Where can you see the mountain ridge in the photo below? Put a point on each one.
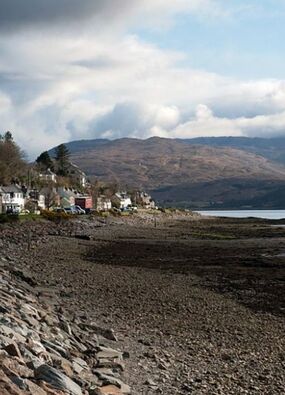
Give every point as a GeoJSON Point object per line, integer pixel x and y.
{"type": "Point", "coordinates": [184, 172]}
{"type": "Point", "coordinates": [272, 148]}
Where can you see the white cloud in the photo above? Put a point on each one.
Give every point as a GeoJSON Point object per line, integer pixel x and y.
{"type": "Point", "coordinates": [107, 83]}
{"type": "Point", "coordinates": [205, 123]}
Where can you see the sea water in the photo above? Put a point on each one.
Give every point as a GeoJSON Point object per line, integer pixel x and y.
{"type": "Point", "coordinates": [267, 214]}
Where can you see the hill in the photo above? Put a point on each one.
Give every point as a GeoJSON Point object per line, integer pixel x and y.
{"type": "Point", "coordinates": [270, 148]}
{"type": "Point", "coordinates": [182, 173]}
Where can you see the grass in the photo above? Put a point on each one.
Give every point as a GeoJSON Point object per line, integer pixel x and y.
{"type": "Point", "coordinates": [30, 217]}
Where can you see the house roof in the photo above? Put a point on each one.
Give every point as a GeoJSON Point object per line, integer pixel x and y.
{"type": "Point", "coordinates": [48, 172]}
{"type": "Point", "coordinates": [122, 195]}
{"type": "Point", "coordinates": [10, 189]}
{"type": "Point", "coordinates": [67, 193]}
{"type": "Point", "coordinates": [77, 169]}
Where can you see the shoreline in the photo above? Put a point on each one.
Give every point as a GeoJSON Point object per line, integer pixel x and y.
{"type": "Point", "coordinates": [173, 293]}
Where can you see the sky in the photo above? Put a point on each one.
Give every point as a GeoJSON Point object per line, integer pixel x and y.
{"type": "Point", "coordinates": [72, 70]}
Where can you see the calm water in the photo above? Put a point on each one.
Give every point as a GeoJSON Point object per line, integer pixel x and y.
{"type": "Point", "coordinates": [268, 214]}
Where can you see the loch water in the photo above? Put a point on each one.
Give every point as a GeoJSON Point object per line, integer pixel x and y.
{"type": "Point", "coordinates": [266, 214]}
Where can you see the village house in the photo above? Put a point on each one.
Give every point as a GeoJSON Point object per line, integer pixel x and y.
{"type": "Point", "coordinates": [51, 196]}
{"type": "Point", "coordinates": [103, 203]}
{"type": "Point", "coordinates": [37, 199]}
{"type": "Point", "coordinates": [78, 176]}
{"type": "Point", "coordinates": [48, 176]}
{"type": "Point", "coordinates": [145, 200]}
{"type": "Point", "coordinates": [12, 198]}
{"type": "Point", "coordinates": [67, 196]}
{"type": "Point", "coordinates": [121, 200]}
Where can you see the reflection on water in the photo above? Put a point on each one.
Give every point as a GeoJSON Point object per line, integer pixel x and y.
{"type": "Point", "coordinates": [267, 214]}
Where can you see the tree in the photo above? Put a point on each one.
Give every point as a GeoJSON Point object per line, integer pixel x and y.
{"type": "Point", "coordinates": [50, 193]}
{"type": "Point", "coordinates": [12, 159]}
{"type": "Point", "coordinates": [62, 156]}
{"type": "Point", "coordinates": [8, 137]}
{"type": "Point", "coordinates": [44, 161]}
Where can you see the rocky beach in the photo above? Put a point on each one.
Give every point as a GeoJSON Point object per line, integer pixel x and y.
{"type": "Point", "coordinates": [179, 304]}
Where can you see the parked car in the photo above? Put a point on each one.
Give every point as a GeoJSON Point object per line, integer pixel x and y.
{"type": "Point", "coordinates": [79, 210]}
{"type": "Point", "coordinates": [13, 210]}
{"type": "Point", "coordinates": [70, 210]}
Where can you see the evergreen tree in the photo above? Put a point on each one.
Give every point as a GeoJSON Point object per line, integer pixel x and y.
{"type": "Point", "coordinates": [44, 161]}
{"type": "Point", "coordinates": [8, 137]}
{"type": "Point", "coordinates": [12, 162]}
{"type": "Point", "coordinates": [62, 156]}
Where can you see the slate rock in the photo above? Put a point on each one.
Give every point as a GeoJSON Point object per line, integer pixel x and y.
{"type": "Point", "coordinates": [13, 349]}
{"type": "Point", "coordinates": [57, 379]}
{"type": "Point", "coordinates": [106, 390]}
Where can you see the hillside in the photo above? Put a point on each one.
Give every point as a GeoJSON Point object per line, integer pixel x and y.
{"type": "Point", "coordinates": [270, 148]}
{"type": "Point", "coordinates": [160, 162]}
{"type": "Point", "coordinates": [182, 173]}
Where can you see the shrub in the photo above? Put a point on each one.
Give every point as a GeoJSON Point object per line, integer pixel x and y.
{"type": "Point", "coordinates": [54, 216]}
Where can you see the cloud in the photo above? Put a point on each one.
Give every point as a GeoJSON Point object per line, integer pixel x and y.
{"type": "Point", "coordinates": [205, 123]}
{"type": "Point", "coordinates": [135, 120]}
{"type": "Point", "coordinates": [17, 14]}
{"type": "Point", "coordinates": [118, 87]}
{"type": "Point", "coordinates": [103, 81]}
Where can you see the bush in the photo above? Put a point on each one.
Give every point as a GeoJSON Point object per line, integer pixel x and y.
{"type": "Point", "coordinates": [54, 216]}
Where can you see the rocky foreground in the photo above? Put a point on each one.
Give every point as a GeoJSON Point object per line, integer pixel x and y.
{"type": "Point", "coordinates": [186, 299]}
{"type": "Point", "coordinates": [43, 349]}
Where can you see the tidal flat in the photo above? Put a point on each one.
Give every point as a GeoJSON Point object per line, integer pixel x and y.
{"type": "Point", "coordinates": [197, 302]}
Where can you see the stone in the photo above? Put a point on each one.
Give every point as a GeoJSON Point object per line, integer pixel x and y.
{"type": "Point", "coordinates": [36, 347]}
{"type": "Point", "coordinates": [16, 367]}
{"type": "Point", "coordinates": [111, 380]}
{"type": "Point", "coordinates": [55, 348]}
{"type": "Point", "coordinates": [19, 382]}
{"type": "Point", "coordinates": [50, 390]}
{"type": "Point", "coordinates": [34, 389]}
{"type": "Point", "coordinates": [57, 379]}
{"type": "Point", "coordinates": [13, 349]}
{"type": "Point", "coordinates": [150, 383]}
{"type": "Point", "coordinates": [63, 364]}
{"type": "Point", "coordinates": [107, 333]}
{"type": "Point", "coordinates": [4, 310]}
{"type": "Point", "coordinates": [7, 387]}
{"type": "Point", "coordinates": [78, 365]}
{"type": "Point", "coordinates": [106, 353]}
{"type": "Point", "coordinates": [9, 332]}
{"type": "Point", "coordinates": [107, 363]}
{"type": "Point", "coordinates": [66, 327]}
{"type": "Point", "coordinates": [106, 390]}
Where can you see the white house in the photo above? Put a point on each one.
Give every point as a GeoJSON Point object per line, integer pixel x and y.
{"type": "Point", "coordinates": [103, 203]}
{"type": "Point", "coordinates": [12, 198]}
{"type": "Point", "coordinates": [121, 200]}
{"type": "Point", "coordinates": [48, 176]}
{"type": "Point", "coordinates": [37, 198]}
